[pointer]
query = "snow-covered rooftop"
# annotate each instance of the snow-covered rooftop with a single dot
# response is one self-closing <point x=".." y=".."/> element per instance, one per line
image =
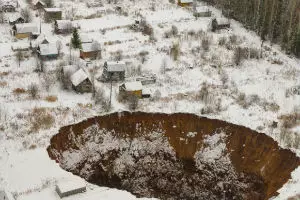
<point x="71" y="185"/>
<point x="116" y="66"/>
<point x="52" y="9"/>
<point x="78" y="77"/>
<point x="27" y="28"/>
<point x="85" y="38"/>
<point x="222" y="21"/>
<point x="69" y="70"/>
<point x="202" y="9"/>
<point x="133" y="86"/>
<point x="186" y="1"/>
<point x="90" y="47"/>
<point x="64" y="24"/>
<point x="48" y="49"/>
<point x="38" y="1"/>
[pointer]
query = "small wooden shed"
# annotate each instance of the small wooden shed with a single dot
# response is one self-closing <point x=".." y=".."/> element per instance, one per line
<point x="131" y="88"/>
<point x="184" y="3"/>
<point x="25" y="30"/>
<point x="70" y="187"/>
<point x="220" y="23"/>
<point x="202" y="11"/>
<point x="114" y="71"/>
<point x="63" y="26"/>
<point x="16" y="19"/>
<point x="81" y="82"/>
<point x="52" y="14"/>
<point x="48" y="51"/>
<point x="90" y="50"/>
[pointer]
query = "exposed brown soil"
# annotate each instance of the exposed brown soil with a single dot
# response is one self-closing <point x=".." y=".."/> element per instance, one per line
<point x="259" y="167"/>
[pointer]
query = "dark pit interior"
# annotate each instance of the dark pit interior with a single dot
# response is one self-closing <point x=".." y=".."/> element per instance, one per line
<point x="174" y="156"/>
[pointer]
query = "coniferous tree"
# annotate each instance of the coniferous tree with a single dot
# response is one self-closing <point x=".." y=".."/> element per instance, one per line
<point x="76" y="42"/>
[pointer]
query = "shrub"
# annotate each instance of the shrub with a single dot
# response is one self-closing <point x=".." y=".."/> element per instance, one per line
<point x="240" y="54"/>
<point x="18" y="91"/>
<point x="51" y="98"/>
<point x="40" y="119"/>
<point x="205" y="43"/>
<point x="33" y="91"/>
<point x="222" y="41"/>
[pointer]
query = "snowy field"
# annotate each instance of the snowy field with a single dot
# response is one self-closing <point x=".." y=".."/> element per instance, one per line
<point x="253" y="94"/>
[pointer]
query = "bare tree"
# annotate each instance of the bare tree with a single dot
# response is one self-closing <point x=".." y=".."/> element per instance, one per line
<point x="59" y="47"/>
<point x="26" y="14"/>
<point x="19" y="57"/>
<point x="2" y="16"/>
<point x="163" y="66"/>
<point x="132" y="101"/>
<point x="33" y="90"/>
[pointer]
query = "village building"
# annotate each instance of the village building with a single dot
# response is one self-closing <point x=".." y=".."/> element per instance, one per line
<point x="47" y="51"/>
<point x="202" y="11"/>
<point x="70" y="187"/>
<point x="220" y="23"/>
<point x="185" y="3"/>
<point x="39" y="5"/>
<point x="147" y="79"/>
<point x="114" y="71"/>
<point x="131" y="88"/>
<point x="81" y="82"/>
<point x="63" y="26"/>
<point x="90" y="50"/>
<point x="8" y="5"/>
<point x="25" y="30"/>
<point x="41" y="39"/>
<point x="16" y="19"/>
<point x="52" y="14"/>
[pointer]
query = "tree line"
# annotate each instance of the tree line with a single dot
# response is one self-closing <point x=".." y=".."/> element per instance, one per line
<point x="275" y="20"/>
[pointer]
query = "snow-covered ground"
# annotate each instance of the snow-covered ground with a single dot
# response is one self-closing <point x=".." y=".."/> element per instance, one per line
<point x="25" y="168"/>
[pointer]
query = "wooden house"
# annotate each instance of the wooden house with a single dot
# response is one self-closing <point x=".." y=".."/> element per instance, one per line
<point x="220" y="23"/>
<point x="16" y="19"/>
<point x="81" y="82"/>
<point x="20" y="46"/>
<point x="63" y="26"/>
<point x="47" y="51"/>
<point x="202" y="11"/>
<point x="131" y="88"/>
<point x="41" y="39"/>
<point x="52" y="14"/>
<point x="8" y="5"/>
<point x="39" y="5"/>
<point x="114" y="71"/>
<point x="25" y="30"/>
<point x="184" y="3"/>
<point x="90" y="50"/>
<point x="70" y="187"/>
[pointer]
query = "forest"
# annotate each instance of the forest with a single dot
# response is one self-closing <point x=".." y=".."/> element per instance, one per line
<point x="275" y="20"/>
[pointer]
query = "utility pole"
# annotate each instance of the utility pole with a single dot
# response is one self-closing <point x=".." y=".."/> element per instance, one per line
<point x="110" y="95"/>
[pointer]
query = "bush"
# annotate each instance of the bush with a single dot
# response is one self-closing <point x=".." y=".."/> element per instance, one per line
<point x="51" y="98"/>
<point x="18" y="91"/>
<point x="40" y="119"/>
<point x="240" y="54"/>
<point x="233" y="39"/>
<point x="254" y="53"/>
<point x="222" y="41"/>
<point x="205" y="43"/>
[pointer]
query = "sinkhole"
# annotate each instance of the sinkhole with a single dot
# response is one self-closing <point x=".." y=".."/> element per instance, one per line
<point x="173" y="156"/>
